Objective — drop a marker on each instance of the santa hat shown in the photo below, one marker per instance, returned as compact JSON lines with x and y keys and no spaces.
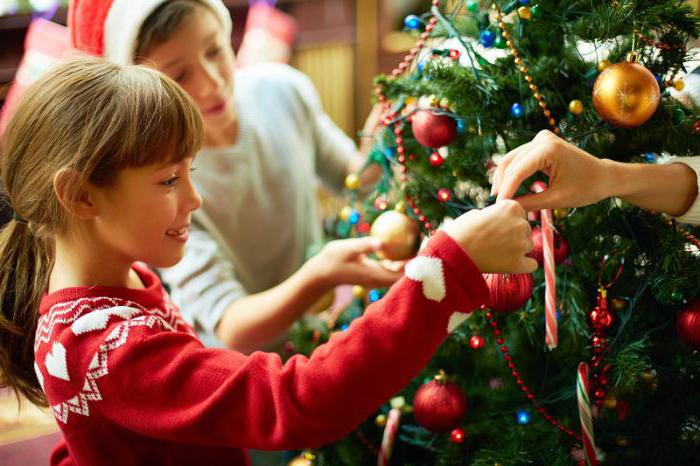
{"x":110,"y":28}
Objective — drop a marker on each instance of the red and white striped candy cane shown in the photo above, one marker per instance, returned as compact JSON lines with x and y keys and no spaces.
{"x":390,"y":431}
{"x":550,"y":298}
{"x":584,"y":412}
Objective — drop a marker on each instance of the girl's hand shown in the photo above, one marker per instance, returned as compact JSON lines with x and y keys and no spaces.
{"x":576,"y":178}
{"x":346,"y":262}
{"x":496,"y":238}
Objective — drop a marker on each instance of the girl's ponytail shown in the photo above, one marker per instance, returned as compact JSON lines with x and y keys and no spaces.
{"x":25,"y":262}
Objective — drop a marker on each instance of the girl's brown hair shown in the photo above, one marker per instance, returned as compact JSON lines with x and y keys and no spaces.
{"x":163,"y":22}
{"x":92,"y":117}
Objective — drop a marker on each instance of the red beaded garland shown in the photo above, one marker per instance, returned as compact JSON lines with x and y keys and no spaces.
{"x":526,"y":390}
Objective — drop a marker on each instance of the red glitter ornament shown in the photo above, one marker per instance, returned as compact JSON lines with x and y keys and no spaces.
{"x":439,"y":405}
{"x":561,"y":247}
{"x":601,"y":318}
{"x":696,"y":127}
{"x":509,"y":292}
{"x":454,"y":54}
{"x":688,"y":325}
{"x":432,"y":129}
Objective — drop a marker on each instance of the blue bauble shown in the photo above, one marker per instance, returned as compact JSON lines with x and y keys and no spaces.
{"x":461,"y":126}
{"x":354,"y":217}
{"x":374,"y":295}
{"x":650,"y":157}
{"x":523,"y":416}
{"x":412,"y":22}
{"x":487,"y":38}
{"x":524,"y":2}
{"x":516,"y":111}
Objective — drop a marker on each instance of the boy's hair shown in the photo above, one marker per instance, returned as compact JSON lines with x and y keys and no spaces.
{"x":160,"y":25}
{"x":94,"y":118}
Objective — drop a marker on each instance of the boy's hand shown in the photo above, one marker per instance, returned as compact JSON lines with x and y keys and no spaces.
{"x":346,"y":262}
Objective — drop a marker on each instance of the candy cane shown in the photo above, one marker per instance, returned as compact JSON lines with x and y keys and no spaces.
{"x":550,"y":297}
{"x":390,"y":431}
{"x":584,"y":411}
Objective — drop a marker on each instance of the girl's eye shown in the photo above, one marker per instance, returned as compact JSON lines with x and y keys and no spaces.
{"x":170,"y":181}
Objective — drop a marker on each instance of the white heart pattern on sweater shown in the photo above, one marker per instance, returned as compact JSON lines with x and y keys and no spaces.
{"x":55,"y":362}
{"x":97,"y":320}
{"x":428,"y":271}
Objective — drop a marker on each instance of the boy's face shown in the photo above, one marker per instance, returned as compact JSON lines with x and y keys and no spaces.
{"x":199,"y":57}
{"x":144,"y":215}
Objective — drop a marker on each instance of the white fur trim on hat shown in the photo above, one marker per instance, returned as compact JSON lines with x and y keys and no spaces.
{"x":124,"y":22}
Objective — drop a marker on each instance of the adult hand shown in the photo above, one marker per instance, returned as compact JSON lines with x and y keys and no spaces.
{"x":576,"y":178}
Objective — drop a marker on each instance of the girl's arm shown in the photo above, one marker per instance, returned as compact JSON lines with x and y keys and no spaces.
{"x":167,"y":385}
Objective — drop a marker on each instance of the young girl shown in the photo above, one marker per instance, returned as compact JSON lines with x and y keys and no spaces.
{"x":266,"y":139}
{"x":97,"y":166}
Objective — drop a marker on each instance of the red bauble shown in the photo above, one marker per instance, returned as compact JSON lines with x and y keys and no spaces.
{"x":436,"y":159}
{"x":444,"y":195}
{"x":688,"y":325}
{"x":561,"y":247}
{"x":457,"y":435}
{"x":476,"y":342}
{"x":508,"y":292}
{"x":696,"y":127}
{"x":601,"y":318}
{"x":439,"y":405}
{"x":432,"y":129}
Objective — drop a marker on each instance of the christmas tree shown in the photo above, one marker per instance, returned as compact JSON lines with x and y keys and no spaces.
{"x":593,"y":358}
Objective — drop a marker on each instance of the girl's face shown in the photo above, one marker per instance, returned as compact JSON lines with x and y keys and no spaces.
{"x":144,"y":215}
{"x":199,"y":57}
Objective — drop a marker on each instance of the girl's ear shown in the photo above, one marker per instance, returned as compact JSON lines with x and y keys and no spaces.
{"x":78,"y":203}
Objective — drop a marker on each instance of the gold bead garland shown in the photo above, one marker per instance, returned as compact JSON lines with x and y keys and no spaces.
{"x":523,"y":69}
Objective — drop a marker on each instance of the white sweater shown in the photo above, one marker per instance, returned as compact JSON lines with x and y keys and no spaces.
{"x":692,"y":215}
{"x":259,"y":213}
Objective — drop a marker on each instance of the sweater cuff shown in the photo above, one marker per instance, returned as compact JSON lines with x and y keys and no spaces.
{"x":692,"y":215}
{"x":462,"y":269}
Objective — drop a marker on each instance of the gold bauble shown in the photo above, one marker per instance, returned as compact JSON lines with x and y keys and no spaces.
{"x":576,"y":107}
{"x":561,"y":213}
{"x":603,"y":64}
{"x":622,"y":441}
{"x":345,"y":213}
{"x":610,"y":401}
{"x":678,"y":85}
{"x":359,"y":292}
{"x":649,"y":376}
{"x":352,"y":182}
{"x":398,"y":233}
{"x":380,"y":420}
{"x":618,"y":304}
{"x":299,"y":461}
{"x":626,"y":94}
{"x":524,"y":12}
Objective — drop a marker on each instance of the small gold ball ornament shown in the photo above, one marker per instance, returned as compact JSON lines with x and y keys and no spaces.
{"x":610,"y":402}
{"x":626,"y":94}
{"x":398,"y":233}
{"x":359,"y":292}
{"x":576,"y":107}
{"x":678,"y":85}
{"x":300,"y":461}
{"x":380,"y":420}
{"x":524,"y":13}
{"x":603,"y":64}
{"x":352,"y":182}
{"x":561,"y":213}
{"x":345,"y":213}
{"x":618,"y":304}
